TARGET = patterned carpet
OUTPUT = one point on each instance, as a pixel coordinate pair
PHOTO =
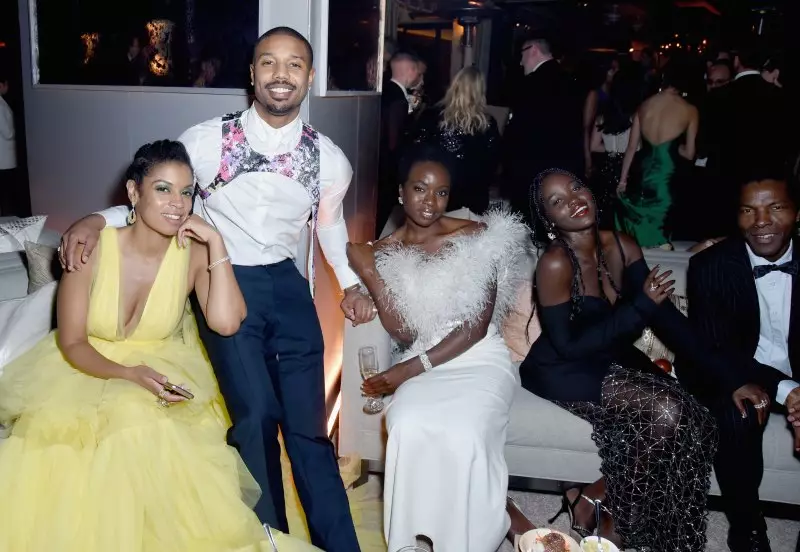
(538, 507)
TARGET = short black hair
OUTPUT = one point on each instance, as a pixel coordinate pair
(726, 63)
(153, 154)
(677, 75)
(770, 170)
(424, 153)
(543, 41)
(286, 31)
(750, 56)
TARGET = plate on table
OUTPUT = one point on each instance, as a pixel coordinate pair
(531, 541)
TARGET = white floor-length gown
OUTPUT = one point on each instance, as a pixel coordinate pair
(446, 476)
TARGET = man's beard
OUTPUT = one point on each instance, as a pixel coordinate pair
(280, 110)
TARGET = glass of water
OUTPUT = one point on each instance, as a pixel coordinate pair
(368, 366)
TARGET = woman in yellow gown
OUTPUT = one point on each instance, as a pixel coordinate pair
(104, 455)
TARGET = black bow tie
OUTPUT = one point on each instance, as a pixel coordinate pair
(790, 267)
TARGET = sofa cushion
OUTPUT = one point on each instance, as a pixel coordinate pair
(43, 265)
(536, 422)
(14, 232)
(25, 321)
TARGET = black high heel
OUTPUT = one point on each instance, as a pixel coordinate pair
(569, 509)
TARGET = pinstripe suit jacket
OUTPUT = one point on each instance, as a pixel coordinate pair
(723, 308)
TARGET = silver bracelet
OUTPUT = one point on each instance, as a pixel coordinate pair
(218, 262)
(426, 362)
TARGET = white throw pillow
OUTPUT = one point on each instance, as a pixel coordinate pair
(15, 232)
(24, 321)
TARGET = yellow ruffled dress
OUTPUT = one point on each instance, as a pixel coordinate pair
(97, 465)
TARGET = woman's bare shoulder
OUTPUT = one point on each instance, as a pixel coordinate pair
(462, 227)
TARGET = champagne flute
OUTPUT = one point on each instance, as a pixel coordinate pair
(368, 365)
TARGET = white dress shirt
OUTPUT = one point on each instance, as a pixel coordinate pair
(8, 144)
(262, 216)
(775, 305)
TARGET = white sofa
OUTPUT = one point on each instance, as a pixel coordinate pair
(13, 268)
(546, 445)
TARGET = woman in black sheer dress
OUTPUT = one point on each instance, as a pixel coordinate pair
(460, 126)
(595, 295)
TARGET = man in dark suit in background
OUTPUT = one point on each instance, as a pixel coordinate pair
(395, 117)
(744, 301)
(746, 120)
(546, 125)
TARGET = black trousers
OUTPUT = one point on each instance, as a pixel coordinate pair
(271, 376)
(739, 464)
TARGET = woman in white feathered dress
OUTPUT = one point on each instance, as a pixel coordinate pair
(442, 286)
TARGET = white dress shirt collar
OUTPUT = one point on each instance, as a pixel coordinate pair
(403, 88)
(746, 73)
(755, 260)
(283, 138)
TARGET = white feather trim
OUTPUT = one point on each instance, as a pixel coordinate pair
(434, 294)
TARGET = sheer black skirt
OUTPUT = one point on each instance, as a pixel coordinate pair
(657, 446)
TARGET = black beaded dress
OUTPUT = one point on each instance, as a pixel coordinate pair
(656, 442)
(473, 158)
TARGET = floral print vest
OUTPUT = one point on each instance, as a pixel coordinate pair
(301, 164)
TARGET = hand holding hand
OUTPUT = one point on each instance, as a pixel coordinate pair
(358, 307)
(656, 287)
(152, 381)
(387, 382)
(756, 395)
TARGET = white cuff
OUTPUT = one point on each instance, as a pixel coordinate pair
(333, 241)
(784, 388)
(115, 216)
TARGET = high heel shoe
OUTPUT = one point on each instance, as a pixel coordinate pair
(569, 508)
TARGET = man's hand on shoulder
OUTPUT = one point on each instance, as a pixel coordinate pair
(79, 241)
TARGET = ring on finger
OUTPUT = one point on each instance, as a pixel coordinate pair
(762, 404)
(163, 394)
(163, 403)
(653, 286)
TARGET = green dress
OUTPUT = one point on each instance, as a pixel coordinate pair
(642, 212)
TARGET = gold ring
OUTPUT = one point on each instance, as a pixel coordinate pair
(653, 286)
(163, 403)
(163, 394)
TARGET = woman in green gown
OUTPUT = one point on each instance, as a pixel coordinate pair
(659, 124)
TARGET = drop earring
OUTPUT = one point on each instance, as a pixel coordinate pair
(132, 215)
(400, 200)
(551, 234)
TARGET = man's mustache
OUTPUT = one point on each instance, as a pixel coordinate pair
(281, 84)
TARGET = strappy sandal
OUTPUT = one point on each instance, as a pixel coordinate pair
(569, 508)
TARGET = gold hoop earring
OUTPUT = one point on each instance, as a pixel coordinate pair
(132, 215)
